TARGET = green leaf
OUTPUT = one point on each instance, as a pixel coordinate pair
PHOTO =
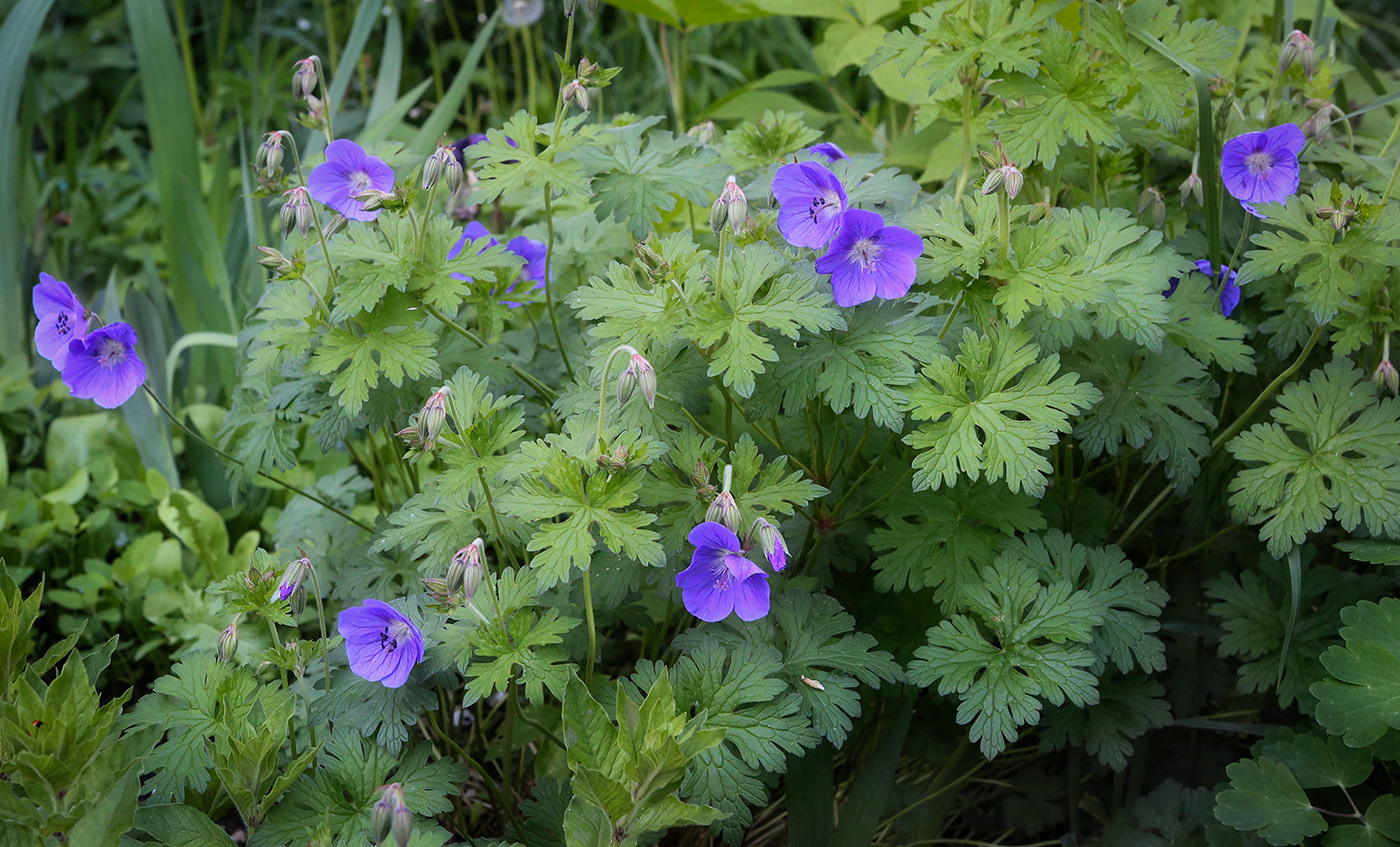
(534, 161)
(774, 137)
(386, 347)
(1321, 762)
(1128, 707)
(991, 412)
(1332, 454)
(1263, 796)
(1194, 324)
(180, 826)
(1362, 697)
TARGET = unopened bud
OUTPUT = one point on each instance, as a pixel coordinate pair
(402, 825)
(432, 418)
(304, 77)
(297, 602)
(315, 109)
(737, 204)
(1300, 48)
(990, 160)
(373, 199)
(651, 259)
(337, 223)
(724, 510)
(646, 379)
(273, 260)
(1151, 204)
(296, 212)
(228, 643)
(467, 570)
(269, 156)
(292, 577)
(575, 92)
(719, 215)
(700, 474)
(626, 385)
(1014, 181)
(432, 168)
(1192, 188)
(995, 181)
(1386, 377)
(771, 543)
(410, 436)
(703, 132)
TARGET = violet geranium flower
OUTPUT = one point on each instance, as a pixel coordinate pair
(810, 202)
(62, 318)
(103, 367)
(1229, 291)
(533, 252)
(382, 643)
(347, 173)
(828, 151)
(1262, 167)
(721, 580)
(868, 259)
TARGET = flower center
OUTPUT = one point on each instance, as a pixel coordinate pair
(1259, 163)
(722, 574)
(359, 182)
(867, 252)
(63, 324)
(823, 203)
(111, 353)
(392, 635)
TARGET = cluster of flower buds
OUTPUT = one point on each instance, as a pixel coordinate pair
(427, 426)
(1043, 208)
(391, 815)
(703, 132)
(1151, 204)
(1192, 188)
(274, 261)
(269, 156)
(304, 77)
(638, 374)
(571, 6)
(614, 461)
(467, 569)
(1002, 173)
(700, 478)
(443, 163)
(576, 92)
(770, 542)
(1340, 215)
(296, 212)
(1297, 47)
(730, 208)
(292, 586)
(649, 257)
(1319, 123)
(724, 509)
(228, 643)
(1386, 377)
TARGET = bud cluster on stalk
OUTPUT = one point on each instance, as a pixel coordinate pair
(1002, 174)
(442, 164)
(464, 576)
(1153, 205)
(724, 509)
(1192, 188)
(638, 374)
(296, 212)
(1340, 215)
(228, 643)
(268, 159)
(731, 208)
(427, 426)
(1386, 377)
(391, 816)
(1298, 47)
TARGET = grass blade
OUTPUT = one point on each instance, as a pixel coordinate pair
(385, 123)
(860, 816)
(386, 85)
(811, 795)
(441, 118)
(365, 18)
(17, 36)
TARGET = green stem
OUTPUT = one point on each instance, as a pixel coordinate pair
(1269, 100)
(592, 627)
(728, 411)
(1093, 174)
(543, 390)
(543, 730)
(287, 485)
(182, 27)
(719, 273)
(325, 100)
(948, 323)
(320, 232)
(508, 740)
(422, 225)
(321, 619)
(330, 32)
(1395, 172)
(548, 288)
(495, 518)
(1004, 224)
(277, 642)
(603, 390)
(1244, 235)
(967, 143)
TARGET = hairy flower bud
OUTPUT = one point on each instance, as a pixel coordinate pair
(646, 379)
(467, 570)
(274, 261)
(432, 418)
(297, 602)
(719, 215)
(772, 545)
(1192, 188)
(432, 169)
(995, 181)
(703, 132)
(304, 77)
(653, 263)
(575, 92)
(296, 212)
(1151, 203)
(1386, 377)
(1014, 181)
(337, 223)
(269, 156)
(373, 199)
(402, 825)
(700, 474)
(1298, 47)
(626, 385)
(228, 643)
(737, 205)
(989, 159)
(724, 510)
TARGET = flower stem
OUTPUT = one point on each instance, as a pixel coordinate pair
(1390, 185)
(277, 642)
(948, 322)
(287, 485)
(592, 627)
(321, 619)
(1004, 224)
(967, 143)
(603, 389)
(719, 273)
(543, 390)
(1244, 235)
(320, 232)
(548, 288)
(325, 101)
(1093, 174)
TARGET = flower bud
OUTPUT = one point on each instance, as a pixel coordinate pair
(771, 543)
(646, 378)
(432, 169)
(1193, 188)
(575, 92)
(467, 570)
(293, 577)
(402, 826)
(432, 418)
(337, 223)
(410, 436)
(1298, 47)
(703, 132)
(228, 643)
(1014, 181)
(296, 212)
(269, 156)
(995, 181)
(724, 510)
(1151, 203)
(1386, 377)
(436, 588)
(315, 109)
(373, 199)
(626, 385)
(304, 77)
(737, 204)
(653, 263)
(297, 602)
(274, 261)
(700, 474)
(719, 215)
(381, 816)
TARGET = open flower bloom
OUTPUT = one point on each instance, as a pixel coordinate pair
(868, 259)
(828, 151)
(103, 366)
(811, 200)
(720, 579)
(1229, 291)
(382, 643)
(61, 319)
(1262, 167)
(347, 173)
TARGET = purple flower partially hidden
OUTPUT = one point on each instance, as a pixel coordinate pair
(1229, 291)
(1262, 167)
(103, 366)
(346, 174)
(811, 200)
(459, 147)
(533, 252)
(720, 579)
(62, 319)
(383, 644)
(868, 259)
(828, 151)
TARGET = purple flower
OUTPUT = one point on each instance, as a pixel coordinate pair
(62, 318)
(533, 252)
(459, 147)
(1262, 167)
(1229, 291)
(383, 644)
(828, 151)
(720, 579)
(869, 259)
(103, 366)
(811, 200)
(347, 173)
(473, 231)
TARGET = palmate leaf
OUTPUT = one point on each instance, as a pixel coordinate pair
(1158, 402)
(991, 411)
(1021, 643)
(624, 309)
(1194, 324)
(1128, 707)
(1333, 453)
(760, 287)
(772, 138)
(391, 344)
(1331, 268)
(1041, 274)
(941, 539)
(638, 184)
(1064, 102)
(1361, 699)
(534, 161)
(1264, 796)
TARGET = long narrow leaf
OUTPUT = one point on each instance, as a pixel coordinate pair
(811, 794)
(860, 816)
(17, 36)
(442, 116)
(386, 85)
(385, 123)
(365, 18)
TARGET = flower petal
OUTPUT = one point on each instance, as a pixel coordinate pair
(752, 597)
(708, 603)
(714, 534)
(51, 296)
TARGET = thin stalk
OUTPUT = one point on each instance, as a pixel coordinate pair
(592, 627)
(320, 232)
(495, 518)
(728, 411)
(1004, 224)
(543, 390)
(1204, 544)
(953, 313)
(491, 787)
(603, 390)
(549, 289)
(508, 741)
(1093, 174)
(182, 28)
(1395, 172)
(422, 225)
(321, 619)
(967, 143)
(287, 485)
(277, 642)
(719, 272)
(325, 101)
(544, 730)
(1239, 246)
(1269, 100)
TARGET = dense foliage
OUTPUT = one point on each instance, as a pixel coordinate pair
(725, 422)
